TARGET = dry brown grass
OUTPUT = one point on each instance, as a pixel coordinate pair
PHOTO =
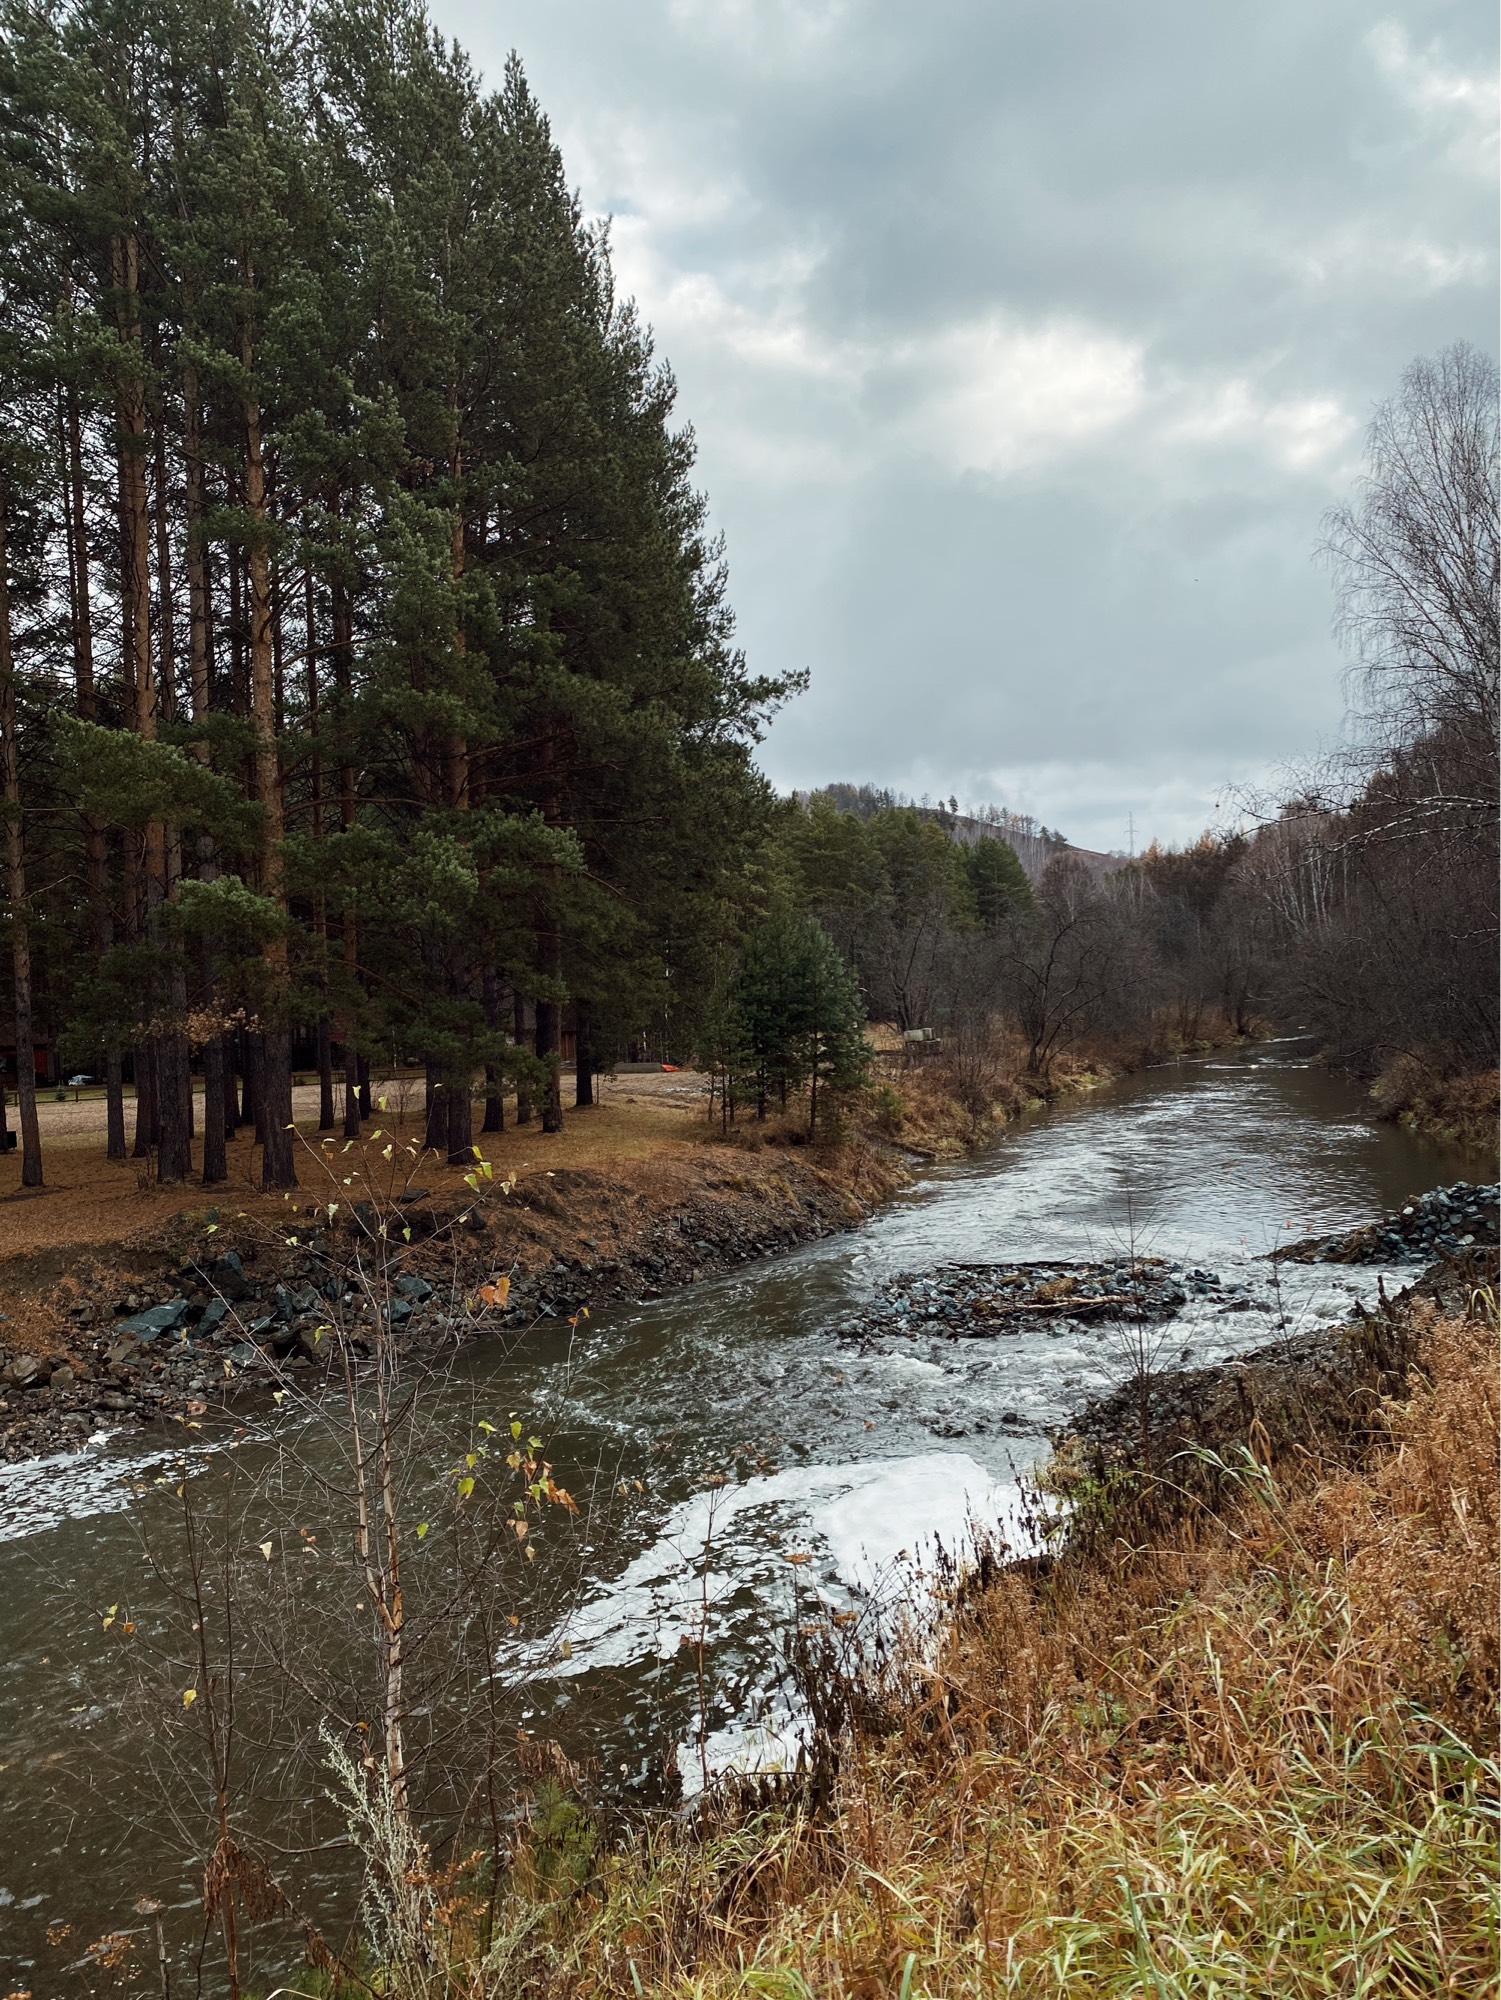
(1251, 1759)
(1419, 1540)
(1464, 1109)
(91, 1203)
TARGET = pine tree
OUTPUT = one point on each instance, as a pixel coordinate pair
(996, 881)
(799, 1015)
(836, 1053)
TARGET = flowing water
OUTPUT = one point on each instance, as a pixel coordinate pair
(742, 1456)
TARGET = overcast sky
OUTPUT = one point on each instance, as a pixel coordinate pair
(1026, 341)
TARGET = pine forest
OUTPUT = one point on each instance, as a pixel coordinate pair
(369, 683)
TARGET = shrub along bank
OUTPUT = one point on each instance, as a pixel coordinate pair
(1463, 1109)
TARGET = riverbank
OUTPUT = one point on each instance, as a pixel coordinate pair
(1234, 1736)
(210, 1313)
(119, 1310)
(1462, 1110)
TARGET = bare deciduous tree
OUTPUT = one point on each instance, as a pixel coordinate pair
(1416, 557)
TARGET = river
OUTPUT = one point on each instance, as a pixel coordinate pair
(742, 1457)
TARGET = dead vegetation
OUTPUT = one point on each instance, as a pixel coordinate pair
(1463, 1109)
(1248, 1754)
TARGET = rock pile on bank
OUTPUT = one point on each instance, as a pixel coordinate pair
(185, 1343)
(1336, 1379)
(174, 1346)
(1442, 1223)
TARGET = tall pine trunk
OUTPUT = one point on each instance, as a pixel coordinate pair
(217, 1124)
(143, 1063)
(278, 1160)
(114, 1103)
(583, 1055)
(549, 1012)
(168, 1126)
(15, 871)
(95, 851)
(518, 1028)
(325, 1026)
(229, 1043)
(326, 1119)
(434, 1109)
(549, 1039)
(459, 1075)
(351, 1060)
(176, 1155)
(341, 637)
(495, 1107)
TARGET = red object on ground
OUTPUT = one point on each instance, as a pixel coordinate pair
(672, 1068)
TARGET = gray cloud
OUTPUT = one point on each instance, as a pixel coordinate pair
(1026, 344)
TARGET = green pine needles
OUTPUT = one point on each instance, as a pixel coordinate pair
(796, 1018)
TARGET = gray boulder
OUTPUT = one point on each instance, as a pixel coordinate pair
(156, 1320)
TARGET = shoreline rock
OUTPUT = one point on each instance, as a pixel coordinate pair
(1332, 1378)
(212, 1338)
(1441, 1223)
(982, 1301)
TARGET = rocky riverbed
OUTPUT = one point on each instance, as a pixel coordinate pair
(977, 1301)
(196, 1339)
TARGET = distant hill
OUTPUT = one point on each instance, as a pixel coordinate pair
(1034, 844)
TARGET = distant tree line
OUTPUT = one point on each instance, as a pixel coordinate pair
(1034, 844)
(1364, 908)
(367, 683)
(949, 935)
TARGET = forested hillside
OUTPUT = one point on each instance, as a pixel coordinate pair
(1034, 844)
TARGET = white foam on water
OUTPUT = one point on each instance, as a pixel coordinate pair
(861, 1529)
(904, 1364)
(41, 1493)
(105, 1474)
(751, 1749)
(897, 1511)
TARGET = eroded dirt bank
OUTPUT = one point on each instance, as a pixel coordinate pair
(209, 1312)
